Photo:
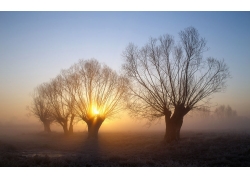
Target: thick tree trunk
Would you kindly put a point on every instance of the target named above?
(171, 129)
(177, 124)
(178, 127)
(93, 127)
(65, 128)
(169, 126)
(174, 124)
(46, 127)
(71, 125)
(71, 129)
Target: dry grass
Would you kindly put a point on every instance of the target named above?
(198, 149)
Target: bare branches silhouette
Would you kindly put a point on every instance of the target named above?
(88, 90)
(169, 79)
(40, 107)
(98, 93)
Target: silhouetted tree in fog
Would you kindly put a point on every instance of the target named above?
(40, 107)
(60, 103)
(88, 91)
(169, 79)
(98, 93)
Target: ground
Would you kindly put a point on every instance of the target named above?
(129, 149)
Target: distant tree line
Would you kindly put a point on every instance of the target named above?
(221, 112)
(225, 112)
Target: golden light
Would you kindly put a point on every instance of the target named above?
(95, 111)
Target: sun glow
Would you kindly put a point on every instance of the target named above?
(95, 111)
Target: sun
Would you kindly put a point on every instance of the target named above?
(95, 111)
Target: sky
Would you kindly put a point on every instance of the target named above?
(36, 46)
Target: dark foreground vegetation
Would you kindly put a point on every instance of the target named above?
(198, 149)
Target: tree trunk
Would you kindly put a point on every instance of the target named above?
(65, 128)
(46, 127)
(71, 129)
(71, 125)
(170, 134)
(177, 124)
(174, 124)
(169, 126)
(93, 127)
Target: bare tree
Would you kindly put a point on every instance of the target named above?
(40, 107)
(61, 104)
(98, 93)
(170, 80)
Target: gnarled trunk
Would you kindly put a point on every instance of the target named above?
(65, 128)
(71, 124)
(174, 124)
(173, 127)
(169, 126)
(46, 126)
(93, 127)
(71, 129)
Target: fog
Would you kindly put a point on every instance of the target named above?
(208, 138)
(193, 121)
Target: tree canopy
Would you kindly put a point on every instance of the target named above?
(170, 79)
(88, 90)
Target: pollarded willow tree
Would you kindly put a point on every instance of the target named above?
(61, 103)
(88, 91)
(170, 80)
(40, 107)
(98, 93)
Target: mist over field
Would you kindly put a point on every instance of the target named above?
(204, 142)
(194, 121)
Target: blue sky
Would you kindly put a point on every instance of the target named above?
(35, 46)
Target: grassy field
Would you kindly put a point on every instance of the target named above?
(196, 149)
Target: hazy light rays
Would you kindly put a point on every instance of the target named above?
(97, 90)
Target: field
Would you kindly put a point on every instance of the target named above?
(129, 149)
